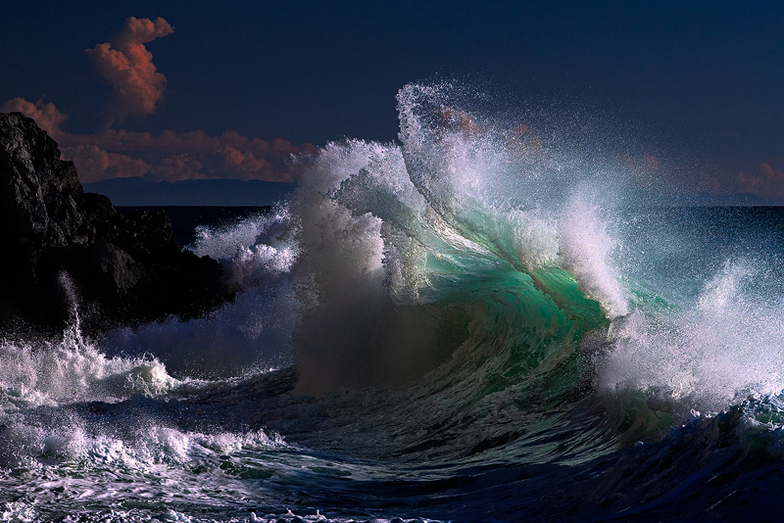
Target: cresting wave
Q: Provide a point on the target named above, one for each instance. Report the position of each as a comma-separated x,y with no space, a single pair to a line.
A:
479,326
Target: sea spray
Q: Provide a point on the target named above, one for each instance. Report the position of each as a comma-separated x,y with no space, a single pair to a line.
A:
463,325
379,234
342,261
715,352
73,369
585,250
386,229
250,334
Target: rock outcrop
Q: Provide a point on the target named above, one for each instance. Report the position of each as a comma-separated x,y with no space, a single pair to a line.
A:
61,245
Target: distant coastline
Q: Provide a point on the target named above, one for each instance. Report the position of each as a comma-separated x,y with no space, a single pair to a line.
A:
142,192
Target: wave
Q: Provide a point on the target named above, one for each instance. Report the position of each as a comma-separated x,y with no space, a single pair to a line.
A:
473,249
473,311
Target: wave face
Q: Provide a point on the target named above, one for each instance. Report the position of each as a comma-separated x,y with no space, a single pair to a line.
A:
471,324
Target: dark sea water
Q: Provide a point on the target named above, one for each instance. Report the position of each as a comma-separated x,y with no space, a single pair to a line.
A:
459,327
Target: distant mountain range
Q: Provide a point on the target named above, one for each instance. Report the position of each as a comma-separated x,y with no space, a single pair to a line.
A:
221,192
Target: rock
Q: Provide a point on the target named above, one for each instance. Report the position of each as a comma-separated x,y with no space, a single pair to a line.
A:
62,245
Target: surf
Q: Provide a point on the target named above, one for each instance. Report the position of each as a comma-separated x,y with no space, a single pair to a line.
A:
478,311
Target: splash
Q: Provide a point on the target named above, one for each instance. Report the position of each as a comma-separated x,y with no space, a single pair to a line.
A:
249,335
351,276
725,346
253,249
387,229
585,249
73,370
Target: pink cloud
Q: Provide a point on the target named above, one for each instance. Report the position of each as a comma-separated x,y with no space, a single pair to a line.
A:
709,182
169,156
95,164
178,167
47,116
126,64
128,67
243,163
763,180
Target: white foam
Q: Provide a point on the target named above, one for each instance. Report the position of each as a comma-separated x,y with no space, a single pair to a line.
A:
253,249
18,511
253,331
135,447
73,370
726,346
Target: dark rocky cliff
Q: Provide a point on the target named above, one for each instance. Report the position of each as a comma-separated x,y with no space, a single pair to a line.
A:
59,244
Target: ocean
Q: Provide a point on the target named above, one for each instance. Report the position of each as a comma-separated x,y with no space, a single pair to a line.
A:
468,325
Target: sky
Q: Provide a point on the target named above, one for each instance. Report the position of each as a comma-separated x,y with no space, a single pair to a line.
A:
187,90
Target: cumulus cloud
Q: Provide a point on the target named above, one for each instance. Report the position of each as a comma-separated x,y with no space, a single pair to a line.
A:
47,116
178,167
709,182
128,67
95,164
243,164
169,156
762,180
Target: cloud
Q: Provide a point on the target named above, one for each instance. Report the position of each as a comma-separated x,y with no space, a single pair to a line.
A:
645,164
169,156
47,116
243,164
94,164
763,180
760,178
128,67
709,182
178,167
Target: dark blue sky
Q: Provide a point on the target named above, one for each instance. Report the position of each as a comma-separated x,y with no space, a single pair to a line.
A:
702,80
